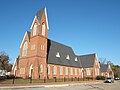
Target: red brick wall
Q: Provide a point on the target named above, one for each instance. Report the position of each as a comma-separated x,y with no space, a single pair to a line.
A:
35,56
51,75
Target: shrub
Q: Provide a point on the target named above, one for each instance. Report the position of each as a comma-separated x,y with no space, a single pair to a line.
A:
89,78
100,78
10,76
3,77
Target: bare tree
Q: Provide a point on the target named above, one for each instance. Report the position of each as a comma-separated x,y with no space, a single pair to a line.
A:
105,61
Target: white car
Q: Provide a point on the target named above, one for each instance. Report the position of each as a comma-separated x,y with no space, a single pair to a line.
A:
117,78
109,80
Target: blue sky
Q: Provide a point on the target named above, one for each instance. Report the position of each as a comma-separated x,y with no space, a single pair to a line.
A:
88,26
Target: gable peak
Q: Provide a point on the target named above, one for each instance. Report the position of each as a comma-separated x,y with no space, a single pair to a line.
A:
39,16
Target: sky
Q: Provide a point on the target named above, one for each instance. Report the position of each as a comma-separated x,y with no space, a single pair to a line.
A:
88,26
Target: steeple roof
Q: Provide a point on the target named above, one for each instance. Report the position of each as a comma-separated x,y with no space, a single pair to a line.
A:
39,14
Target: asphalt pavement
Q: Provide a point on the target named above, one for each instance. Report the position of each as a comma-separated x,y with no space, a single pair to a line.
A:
84,86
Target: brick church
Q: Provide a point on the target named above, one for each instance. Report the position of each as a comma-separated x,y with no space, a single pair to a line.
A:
41,57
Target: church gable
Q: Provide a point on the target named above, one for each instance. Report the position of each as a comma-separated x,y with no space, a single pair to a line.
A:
87,61
24,45
25,38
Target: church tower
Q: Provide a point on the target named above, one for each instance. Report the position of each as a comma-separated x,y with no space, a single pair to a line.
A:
33,49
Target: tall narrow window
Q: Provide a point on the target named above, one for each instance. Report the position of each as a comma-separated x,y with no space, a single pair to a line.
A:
61,70
75,70
34,29
66,71
24,50
54,70
88,71
80,71
43,29
48,69
41,68
71,71
96,71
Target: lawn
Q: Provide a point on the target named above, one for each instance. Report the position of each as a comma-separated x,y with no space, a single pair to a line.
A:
27,81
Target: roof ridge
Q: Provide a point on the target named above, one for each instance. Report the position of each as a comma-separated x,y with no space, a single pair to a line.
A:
63,45
87,54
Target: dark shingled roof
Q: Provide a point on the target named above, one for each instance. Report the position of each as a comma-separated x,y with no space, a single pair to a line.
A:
39,14
87,61
103,67
54,47
28,35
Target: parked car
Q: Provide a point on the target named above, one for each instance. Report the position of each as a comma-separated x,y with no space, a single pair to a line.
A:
109,80
117,78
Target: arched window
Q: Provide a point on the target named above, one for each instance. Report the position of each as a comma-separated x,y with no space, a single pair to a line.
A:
41,68
43,29
25,47
34,29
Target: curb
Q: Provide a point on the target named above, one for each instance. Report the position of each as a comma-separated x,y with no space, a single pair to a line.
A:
22,87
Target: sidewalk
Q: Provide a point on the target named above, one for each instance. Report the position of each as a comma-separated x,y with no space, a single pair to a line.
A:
45,85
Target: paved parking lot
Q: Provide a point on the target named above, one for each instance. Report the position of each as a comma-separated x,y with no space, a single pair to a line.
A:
98,86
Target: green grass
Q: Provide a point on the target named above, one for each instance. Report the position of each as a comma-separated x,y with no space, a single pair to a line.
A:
27,81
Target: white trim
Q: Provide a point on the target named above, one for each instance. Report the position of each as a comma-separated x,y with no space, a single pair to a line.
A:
34,21
31,67
15,70
97,60
23,39
14,64
46,18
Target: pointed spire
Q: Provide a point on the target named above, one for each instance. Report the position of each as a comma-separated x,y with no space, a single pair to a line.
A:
39,16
